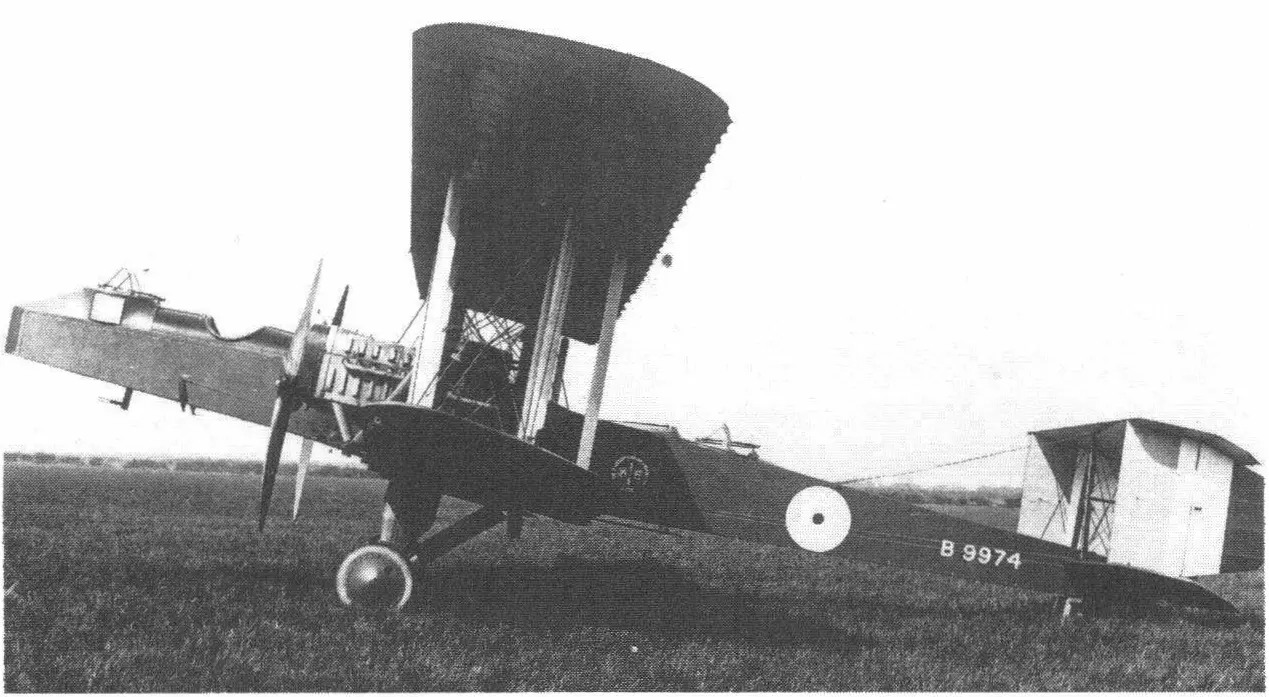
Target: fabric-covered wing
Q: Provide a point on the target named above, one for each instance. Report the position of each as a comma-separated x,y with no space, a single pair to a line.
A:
536,129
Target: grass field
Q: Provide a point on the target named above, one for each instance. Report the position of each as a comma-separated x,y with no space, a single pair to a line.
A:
157,581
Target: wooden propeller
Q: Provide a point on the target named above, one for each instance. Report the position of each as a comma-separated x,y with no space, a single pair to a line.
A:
288,399
306,448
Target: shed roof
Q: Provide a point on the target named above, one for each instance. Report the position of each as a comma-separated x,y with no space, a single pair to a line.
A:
1235,453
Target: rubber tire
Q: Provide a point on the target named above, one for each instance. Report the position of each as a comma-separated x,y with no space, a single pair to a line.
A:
393,555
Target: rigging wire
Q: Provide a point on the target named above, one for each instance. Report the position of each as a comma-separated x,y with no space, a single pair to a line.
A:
934,467
422,304
1026,447
1026,463
497,305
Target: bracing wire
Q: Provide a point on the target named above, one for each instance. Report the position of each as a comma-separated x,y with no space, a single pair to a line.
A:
940,465
497,305
422,304
1026,462
934,467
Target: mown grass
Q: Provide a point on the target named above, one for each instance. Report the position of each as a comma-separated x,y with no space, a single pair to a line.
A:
156,581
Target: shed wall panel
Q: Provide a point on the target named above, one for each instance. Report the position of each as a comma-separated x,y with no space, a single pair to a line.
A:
1177,529
1244,547
1146,502
1048,512
1208,498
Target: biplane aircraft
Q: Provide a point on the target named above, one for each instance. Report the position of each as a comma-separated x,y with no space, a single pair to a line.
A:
546,177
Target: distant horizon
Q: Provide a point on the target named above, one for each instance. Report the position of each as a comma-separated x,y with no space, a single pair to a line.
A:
138,455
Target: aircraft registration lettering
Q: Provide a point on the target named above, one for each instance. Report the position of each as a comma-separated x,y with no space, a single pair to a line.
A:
982,554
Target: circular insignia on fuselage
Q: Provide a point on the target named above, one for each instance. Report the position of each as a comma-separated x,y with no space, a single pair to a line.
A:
817,518
631,473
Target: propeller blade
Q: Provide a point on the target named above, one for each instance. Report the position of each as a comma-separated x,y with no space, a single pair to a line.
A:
277,436
339,309
306,452
292,363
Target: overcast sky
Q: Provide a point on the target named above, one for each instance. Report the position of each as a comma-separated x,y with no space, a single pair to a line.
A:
930,229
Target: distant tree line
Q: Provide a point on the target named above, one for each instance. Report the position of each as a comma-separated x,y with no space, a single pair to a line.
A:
201,464
997,496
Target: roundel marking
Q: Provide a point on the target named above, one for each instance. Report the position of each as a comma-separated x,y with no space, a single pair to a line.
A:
817,518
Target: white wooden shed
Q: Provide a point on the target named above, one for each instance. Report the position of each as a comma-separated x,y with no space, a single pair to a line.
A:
1147,494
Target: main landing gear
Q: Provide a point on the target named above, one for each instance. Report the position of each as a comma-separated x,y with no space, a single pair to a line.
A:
382,575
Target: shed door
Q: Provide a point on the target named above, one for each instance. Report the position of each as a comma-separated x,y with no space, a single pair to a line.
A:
1146,502
1209,506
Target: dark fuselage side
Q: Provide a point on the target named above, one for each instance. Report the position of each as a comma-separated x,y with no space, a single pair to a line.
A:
713,490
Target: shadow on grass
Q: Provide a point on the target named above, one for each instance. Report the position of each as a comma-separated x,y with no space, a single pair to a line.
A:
640,595
1165,612
1046,610
636,594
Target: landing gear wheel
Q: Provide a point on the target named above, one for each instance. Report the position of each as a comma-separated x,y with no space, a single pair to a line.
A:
374,576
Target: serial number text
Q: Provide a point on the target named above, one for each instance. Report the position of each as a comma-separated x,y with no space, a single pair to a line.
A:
986,556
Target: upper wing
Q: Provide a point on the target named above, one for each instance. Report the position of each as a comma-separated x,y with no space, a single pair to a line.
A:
538,129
